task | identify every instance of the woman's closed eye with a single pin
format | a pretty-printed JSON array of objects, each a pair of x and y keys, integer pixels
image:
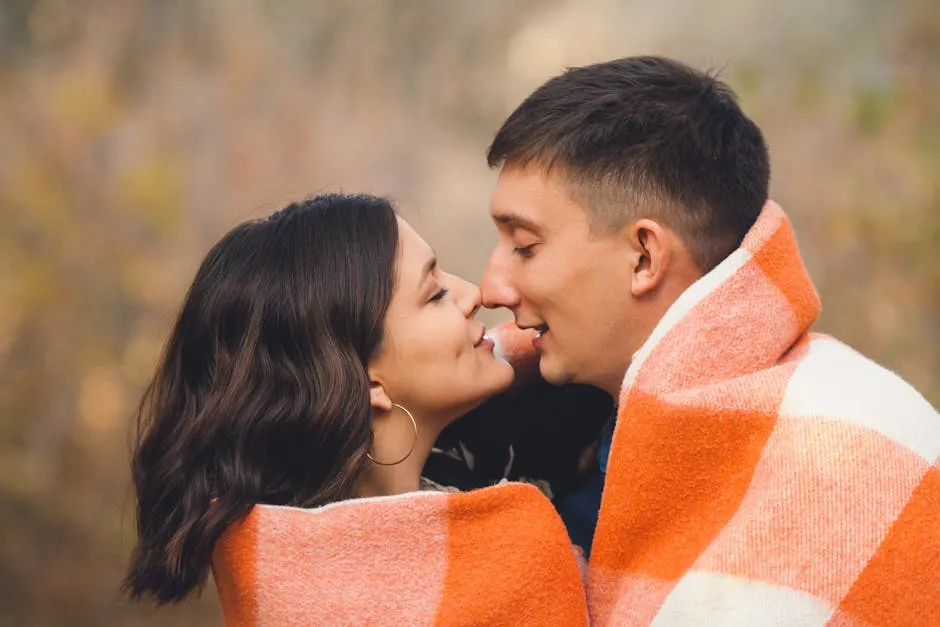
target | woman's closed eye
[{"x": 441, "y": 293}]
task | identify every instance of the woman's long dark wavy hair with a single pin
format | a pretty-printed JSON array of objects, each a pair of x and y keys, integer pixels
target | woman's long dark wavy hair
[{"x": 261, "y": 394}]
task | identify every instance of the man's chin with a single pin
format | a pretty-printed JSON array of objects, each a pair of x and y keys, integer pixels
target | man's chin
[{"x": 552, "y": 373}]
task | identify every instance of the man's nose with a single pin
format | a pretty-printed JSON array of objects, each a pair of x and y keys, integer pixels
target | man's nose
[{"x": 496, "y": 287}]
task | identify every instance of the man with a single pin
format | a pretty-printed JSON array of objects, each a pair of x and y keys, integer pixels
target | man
[{"x": 758, "y": 473}]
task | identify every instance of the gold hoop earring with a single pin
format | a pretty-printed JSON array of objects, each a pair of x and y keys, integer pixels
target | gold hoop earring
[{"x": 414, "y": 424}]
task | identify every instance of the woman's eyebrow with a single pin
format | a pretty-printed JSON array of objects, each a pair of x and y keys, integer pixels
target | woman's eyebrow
[{"x": 428, "y": 269}]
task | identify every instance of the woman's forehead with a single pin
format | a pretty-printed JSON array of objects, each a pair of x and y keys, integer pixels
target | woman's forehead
[
  {"x": 413, "y": 248},
  {"x": 415, "y": 257}
]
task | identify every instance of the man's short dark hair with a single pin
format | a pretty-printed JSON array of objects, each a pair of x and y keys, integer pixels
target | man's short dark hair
[{"x": 646, "y": 137}]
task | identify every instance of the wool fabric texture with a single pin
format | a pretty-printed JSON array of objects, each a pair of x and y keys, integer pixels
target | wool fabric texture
[
  {"x": 760, "y": 473},
  {"x": 494, "y": 556}
]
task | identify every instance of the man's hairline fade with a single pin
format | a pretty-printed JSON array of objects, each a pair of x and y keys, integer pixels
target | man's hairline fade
[
  {"x": 611, "y": 203},
  {"x": 598, "y": 197}
]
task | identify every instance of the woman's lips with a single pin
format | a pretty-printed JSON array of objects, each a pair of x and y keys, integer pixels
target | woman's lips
[{"x": 485, "y": 341}]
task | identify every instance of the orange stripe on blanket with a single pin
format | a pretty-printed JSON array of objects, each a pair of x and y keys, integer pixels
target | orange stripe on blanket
[
  {"x": 777, "y": 258},
  {"x": 904, "y": 568},
  {"x": 733, "y": 349},
  {"x": 782, "y": 462},
  {"x": 521, "y": 561},
  {"x": 676, "y": 476},
  {"x": 233, "y": 567},
  {"x": 776, "y": 535}
]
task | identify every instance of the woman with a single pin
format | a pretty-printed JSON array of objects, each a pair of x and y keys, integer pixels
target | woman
[{"x": 316, "y": 358}]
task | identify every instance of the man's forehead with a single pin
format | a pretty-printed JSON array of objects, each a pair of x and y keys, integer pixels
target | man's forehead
[{"x": 530, "y": 198}]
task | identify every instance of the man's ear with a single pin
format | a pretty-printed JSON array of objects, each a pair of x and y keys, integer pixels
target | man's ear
[
  {"x": 652, "y": 244},
  {"x": 378, "y": 397}
]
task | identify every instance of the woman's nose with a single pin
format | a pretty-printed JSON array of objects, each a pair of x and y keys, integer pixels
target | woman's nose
[
  {"x": 476, "y": 300},
  {"x": 470, "y": 299}
]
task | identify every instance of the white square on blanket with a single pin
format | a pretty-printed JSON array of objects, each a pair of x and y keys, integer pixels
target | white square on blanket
[
  {"x": 835, "y": 382},
  {"x": 707, "y": 598}
]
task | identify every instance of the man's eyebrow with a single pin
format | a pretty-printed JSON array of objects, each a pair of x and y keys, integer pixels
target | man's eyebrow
[
  {"x": 515, "y": 220},
  {"x": 428, "y": 269}
]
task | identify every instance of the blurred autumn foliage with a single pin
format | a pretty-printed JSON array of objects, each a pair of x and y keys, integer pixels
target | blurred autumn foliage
[{"x": 134, "y": 133}]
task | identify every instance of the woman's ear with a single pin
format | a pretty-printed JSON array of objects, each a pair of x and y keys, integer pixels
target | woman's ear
[{"x": 378, "y": 397}]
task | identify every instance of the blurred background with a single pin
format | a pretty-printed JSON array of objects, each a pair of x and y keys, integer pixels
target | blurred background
[{"x": 134, "y": 133}]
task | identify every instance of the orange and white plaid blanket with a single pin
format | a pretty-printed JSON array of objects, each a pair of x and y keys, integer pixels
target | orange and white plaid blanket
[
  {"x": 761, "y": 474},
  {"x": 495, "y": 556}
]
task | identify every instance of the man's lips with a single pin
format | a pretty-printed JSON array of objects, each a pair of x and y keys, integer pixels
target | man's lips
[
  {"x": 540, "y": 332},
  {"x": 533, "y": 327}
]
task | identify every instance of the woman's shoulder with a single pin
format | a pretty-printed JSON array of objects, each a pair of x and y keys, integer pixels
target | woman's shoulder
[{"x": 427, "y": 485}]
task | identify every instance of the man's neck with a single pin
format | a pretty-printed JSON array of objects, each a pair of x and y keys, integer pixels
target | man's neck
[{"x": 614, "y": 385}]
